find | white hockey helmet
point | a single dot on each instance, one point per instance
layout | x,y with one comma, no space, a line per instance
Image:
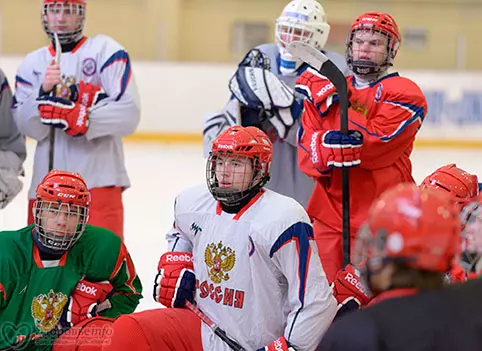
66,17
302,20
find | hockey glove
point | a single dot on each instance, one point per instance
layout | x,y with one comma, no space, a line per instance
349,291
175,283
86,301
279,344
318,90
70,115
333,149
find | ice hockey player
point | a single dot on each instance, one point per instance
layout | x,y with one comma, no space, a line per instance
91,100
411,237
386,112
263,94
60,272
12,147
244,253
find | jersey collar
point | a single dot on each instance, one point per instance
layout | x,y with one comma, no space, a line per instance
77,47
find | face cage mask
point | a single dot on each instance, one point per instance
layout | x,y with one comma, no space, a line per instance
286,33
232,196
366,68
65,9
471,220
63,239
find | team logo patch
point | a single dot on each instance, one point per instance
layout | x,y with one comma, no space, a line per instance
63,88
378,94
89,66
220,260
47,310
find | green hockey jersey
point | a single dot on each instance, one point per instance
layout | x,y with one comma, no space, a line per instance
33,292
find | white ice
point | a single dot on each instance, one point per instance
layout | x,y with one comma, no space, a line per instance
159,171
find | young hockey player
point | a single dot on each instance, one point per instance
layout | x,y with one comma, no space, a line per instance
411,237
12,147
244,253
263,94
385,114
60,271
91,100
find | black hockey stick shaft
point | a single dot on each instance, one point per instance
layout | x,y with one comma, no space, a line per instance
318,61
58,52
214,327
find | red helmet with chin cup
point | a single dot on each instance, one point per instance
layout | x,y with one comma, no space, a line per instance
61,209
237,143
380,25
418,227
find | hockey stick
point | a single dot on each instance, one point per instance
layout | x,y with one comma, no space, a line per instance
326,67
58,52
214,327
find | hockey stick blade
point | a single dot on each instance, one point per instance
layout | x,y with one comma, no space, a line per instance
214,327
321,63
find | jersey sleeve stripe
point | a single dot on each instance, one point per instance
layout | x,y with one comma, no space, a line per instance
120,56
300,233
20,80
4,86
417,115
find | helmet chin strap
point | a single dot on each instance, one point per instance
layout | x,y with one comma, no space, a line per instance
288,64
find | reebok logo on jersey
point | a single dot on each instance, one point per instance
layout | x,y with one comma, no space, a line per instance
179,258
83,110
313,144
90,290
323,90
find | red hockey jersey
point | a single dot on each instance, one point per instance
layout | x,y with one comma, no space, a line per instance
389,113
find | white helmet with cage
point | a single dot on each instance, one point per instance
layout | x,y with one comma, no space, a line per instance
301,20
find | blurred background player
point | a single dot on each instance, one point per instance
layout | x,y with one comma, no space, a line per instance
276,108
60,271
12,147
410,239
386,113
91,100
242,251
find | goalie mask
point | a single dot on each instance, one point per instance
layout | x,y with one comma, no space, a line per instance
460,184
418,227
61,210
65,17
238,165
301,20
372,44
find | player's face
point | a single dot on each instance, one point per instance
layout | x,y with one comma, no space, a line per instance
288,34
60,219
369,46
234,172
63,18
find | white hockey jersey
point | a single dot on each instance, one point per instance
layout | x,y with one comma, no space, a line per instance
98,155
258,273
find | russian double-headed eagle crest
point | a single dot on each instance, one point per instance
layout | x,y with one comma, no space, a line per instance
47,309
220,260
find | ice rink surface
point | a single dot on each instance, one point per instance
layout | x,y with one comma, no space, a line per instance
159,171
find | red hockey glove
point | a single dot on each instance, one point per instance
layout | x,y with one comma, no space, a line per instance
72,115
319,90
86,301
333,149
279,344
175,283
349,291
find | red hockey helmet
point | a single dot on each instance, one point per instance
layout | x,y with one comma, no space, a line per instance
61,209
234,145
65,17
376,23
462,185
416,226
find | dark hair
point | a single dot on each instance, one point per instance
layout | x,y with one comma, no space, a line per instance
422,280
